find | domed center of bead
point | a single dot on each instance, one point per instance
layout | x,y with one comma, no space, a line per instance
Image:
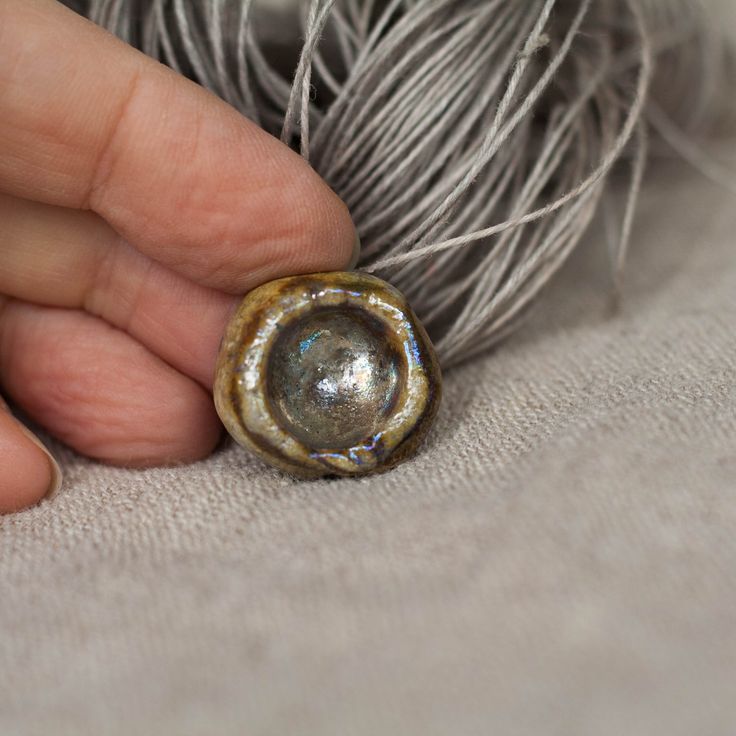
333,377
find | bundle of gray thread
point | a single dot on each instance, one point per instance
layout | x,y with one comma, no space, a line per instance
473,140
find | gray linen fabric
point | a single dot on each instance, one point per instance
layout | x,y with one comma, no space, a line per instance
560,559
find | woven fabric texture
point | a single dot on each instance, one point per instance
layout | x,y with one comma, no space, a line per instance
559,559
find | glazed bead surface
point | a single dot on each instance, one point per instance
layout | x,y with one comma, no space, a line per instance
327,374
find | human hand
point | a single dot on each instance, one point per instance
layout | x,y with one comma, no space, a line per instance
134,208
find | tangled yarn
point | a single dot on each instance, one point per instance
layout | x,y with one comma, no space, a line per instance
473,140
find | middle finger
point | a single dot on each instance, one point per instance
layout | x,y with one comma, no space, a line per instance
68,258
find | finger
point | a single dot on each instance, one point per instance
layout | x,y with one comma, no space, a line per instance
27,470
88,122
67,258
100,391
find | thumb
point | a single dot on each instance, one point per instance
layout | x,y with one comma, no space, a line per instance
28,472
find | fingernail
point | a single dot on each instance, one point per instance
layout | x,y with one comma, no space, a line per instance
356,253
56,475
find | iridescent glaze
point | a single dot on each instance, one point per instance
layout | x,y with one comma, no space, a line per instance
327,374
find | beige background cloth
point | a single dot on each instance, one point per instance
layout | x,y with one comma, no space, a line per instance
560,558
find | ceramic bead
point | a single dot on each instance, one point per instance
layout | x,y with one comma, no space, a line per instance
327,374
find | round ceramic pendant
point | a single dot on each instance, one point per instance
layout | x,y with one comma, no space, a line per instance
327,374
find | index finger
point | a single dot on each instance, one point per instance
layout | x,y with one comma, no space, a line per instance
88,122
